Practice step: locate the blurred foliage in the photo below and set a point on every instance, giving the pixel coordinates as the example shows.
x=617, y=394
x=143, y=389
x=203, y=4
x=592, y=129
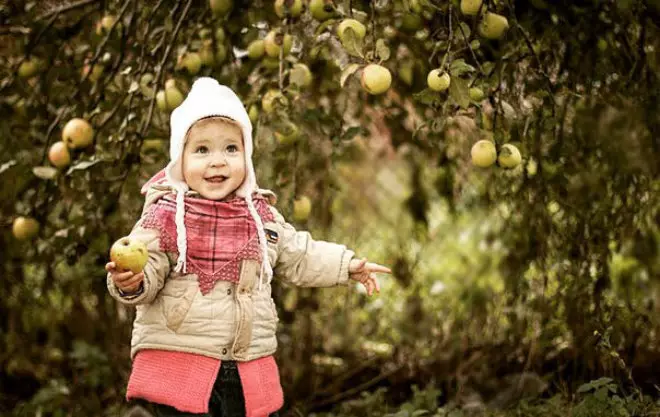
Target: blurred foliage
x=597, y=398
x=550, y=270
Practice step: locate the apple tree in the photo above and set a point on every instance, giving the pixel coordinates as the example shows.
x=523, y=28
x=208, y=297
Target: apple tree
x=545, y=112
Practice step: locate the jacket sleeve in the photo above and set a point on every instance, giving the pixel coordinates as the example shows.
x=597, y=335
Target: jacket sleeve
x=305, y=262
x=155, y=271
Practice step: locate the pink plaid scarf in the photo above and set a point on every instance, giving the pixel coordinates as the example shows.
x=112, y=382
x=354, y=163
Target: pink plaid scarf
x=220, y=234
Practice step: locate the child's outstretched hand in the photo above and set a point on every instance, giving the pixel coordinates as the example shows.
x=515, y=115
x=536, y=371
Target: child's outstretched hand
x=127, y=281
x=365, y=272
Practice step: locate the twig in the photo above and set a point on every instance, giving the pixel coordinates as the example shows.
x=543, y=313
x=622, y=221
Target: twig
x=351, y=372
x=530, y=354
x=99, y=49
x=126, y=30
x=143, y=50
x=113, y=112
x=15, y=30
x=470, y=48
x=50, y=132
x=373, y=29
x=351, y=392
x=451, y=39
x=153, y=11
x=159, y=74
x=538, y=62
x=161, y=42
x=67, y=8
x=281, y=63
x=33, y=42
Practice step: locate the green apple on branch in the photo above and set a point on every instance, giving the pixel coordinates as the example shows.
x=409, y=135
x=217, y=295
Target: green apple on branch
x=375, y=79
x=302, y=207
x=77, y=133
x=321, y=10
x=293, y=8
x=483, y=153
x=170, y=98
x=509, y=156
x=25, y=228
x=58, y=155
x=277, y=41
x=438, y=81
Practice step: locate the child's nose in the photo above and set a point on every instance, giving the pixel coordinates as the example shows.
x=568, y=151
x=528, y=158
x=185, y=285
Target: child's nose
x=218, y=160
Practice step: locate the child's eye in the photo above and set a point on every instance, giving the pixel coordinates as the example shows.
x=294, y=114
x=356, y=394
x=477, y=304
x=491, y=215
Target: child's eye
x=232, y=148
x=202, y=149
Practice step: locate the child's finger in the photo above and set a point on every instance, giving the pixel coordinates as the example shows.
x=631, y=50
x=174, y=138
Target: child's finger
x=131, y=288
x=379, y=268
x=122, y=277
x=110, y=266
x=134, y=281
x=357, y=267
x=376, y=283
x=360, y=266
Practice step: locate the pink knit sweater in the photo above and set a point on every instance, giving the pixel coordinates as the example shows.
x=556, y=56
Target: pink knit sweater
x=185, y=380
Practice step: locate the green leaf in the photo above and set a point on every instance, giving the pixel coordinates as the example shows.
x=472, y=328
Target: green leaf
x=586, y=387
x=418, y=128
x=347, y=72
x=352, y=43
x=7, y=165
x=600, y=382
x=459, y=91
x=426, y=96
x=601, y=394
x=466, y=30
x=460, y=67
x=297, y=76
x=488, y=67
x=323, y=26
x=382, y=50
x=45, y=173
x=438, y=125
x=351, y=132
x=81, y=166
x=475, y=44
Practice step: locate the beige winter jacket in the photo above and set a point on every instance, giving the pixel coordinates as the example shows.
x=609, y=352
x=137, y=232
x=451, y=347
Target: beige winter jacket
x=235, y=321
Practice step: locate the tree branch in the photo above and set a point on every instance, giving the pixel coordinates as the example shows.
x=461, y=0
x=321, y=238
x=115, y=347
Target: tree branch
x=15, y=30
x=467, y=43
x=159, y=75
x=67, y=8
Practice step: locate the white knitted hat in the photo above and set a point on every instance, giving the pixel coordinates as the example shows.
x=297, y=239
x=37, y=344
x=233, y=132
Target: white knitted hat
x=209, y=98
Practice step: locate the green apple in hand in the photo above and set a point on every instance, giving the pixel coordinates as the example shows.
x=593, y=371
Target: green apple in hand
x=129, y=254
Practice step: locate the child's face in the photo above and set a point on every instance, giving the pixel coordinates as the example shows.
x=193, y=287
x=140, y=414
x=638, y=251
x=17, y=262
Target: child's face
x=214, y=158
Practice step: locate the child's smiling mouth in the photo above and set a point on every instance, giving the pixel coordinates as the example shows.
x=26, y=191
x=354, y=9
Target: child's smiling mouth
x=216, y=178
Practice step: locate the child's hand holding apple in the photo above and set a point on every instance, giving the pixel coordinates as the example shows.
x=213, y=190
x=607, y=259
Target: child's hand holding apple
x=127, y=260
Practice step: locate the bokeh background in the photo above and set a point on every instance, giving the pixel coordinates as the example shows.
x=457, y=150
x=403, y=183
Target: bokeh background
x=526, y=291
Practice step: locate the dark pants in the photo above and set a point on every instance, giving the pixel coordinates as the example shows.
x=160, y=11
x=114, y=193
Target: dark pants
x=226, y=397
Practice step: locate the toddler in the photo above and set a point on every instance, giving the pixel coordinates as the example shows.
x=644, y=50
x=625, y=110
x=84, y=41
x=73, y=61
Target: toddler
x=204, y=333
